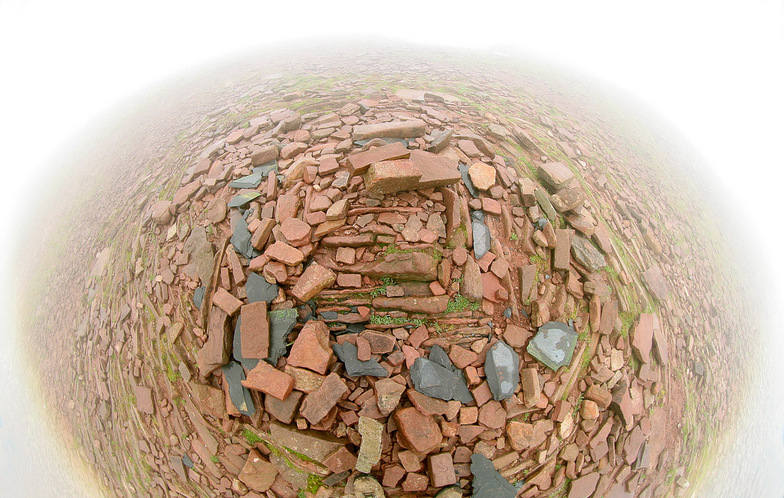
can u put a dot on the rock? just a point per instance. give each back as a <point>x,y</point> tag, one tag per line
<point>281,324</point>
<point>481,238</point>
<point>258,289</point>
<point>370,449</point>
<point>358,163</point>
<point>529,378</point>
<point>215,351</point>
<point>340,460</point>
<point>264,155</point>
<point>315,279</point>
<point>439,140</point>
<point>556,175</point>
<point>315,445</point>
<point>659,342</point>
<point>430,305</point>
<point>545,204</point>
<point>601,396</point>
<point>388,393</point>
<point>622,402</point>
<point>201,254</point>
<point>380,343</point>
<point>436,377</point>
<point>515,336</point>
<point>567,198</point>
<point>241,200</point>
<point>584,486</point>
<point>492,415</point>
<point>269,380</point>
<point>553,344</point>
<point>247,182</point>
<point>241,240</point>
<point>285,410</point>
<point>417,431</point>
<point>390,177</point>
<point>317,404</point>
<point>469,148</point>
<point>656,282</point>
<point>289,256</point>
<point>463,169</point>
<point>239,395</point>
<point>160,212</point>
<point>367,487</point>
<point>441,470</point>
<point>225,301</point>
<point>296,231</point>
<point>437,171</point>
<point>502,367</point>
<point>311,348</point>
<point>482,175</point>
<point>254,330</point>
<point>521,434</point>
<point>488,483</point>
<point>589,410</point>
<point>257,473</point>
<point>347,353</point>
<point>144,402</point>
<point>416,266</point>
<point>391,129</point>
<point>563,243</point>
<point>472,288</point>
<point>586,254</point>
<point>642,337</point>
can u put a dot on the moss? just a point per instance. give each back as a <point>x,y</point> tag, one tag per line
<point>513,236</point>
<point>460,303</point>
<point>627,320</point>
<point>251,437</point>
<point>214,459</point>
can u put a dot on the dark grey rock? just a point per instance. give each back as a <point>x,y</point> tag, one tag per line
<point>333,479</point>
<point>240,239</point>
<point>329,315</point>
<point>541,223</point>
<point>242,199</point>
<point>481,239</point>
<point>251,181</point>
<point>502,368</point>
<point>438,378</point>
<point>198,296</point>
<point>265,169</point>
<point>236,348</point>
<point>488,483</point>
<point>508,313</point>
<point>699,369</point>
<point>586,254</point>
<point>347,353</point>
<point>478,216</point>
<point>259,289</point>
<point>239,394</point>
<point>553,344</point>
<point>176,465</point>
<point>186,460</point>
<point>281,324</point>
<point>463,169</point>
<point>643,457</point>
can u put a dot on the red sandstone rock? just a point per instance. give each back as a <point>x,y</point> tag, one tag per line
<point>254,328</point>
<point>311,348</point>
<point>317,404</point>
<point>269,380</point>
<point>225,301</point>
<point>418,432</point>
<point>313,280</point>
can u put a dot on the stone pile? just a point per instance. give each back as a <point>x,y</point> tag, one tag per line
<point>385,300</point>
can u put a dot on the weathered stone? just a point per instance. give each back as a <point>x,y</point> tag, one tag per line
<point>389,177</point>
<point>340,460</point>
<point>315,445</point>
<point>544,202</point>
<point>391,129</point>
<point>283,410</point>
<point>225,301</point>
<point>430,304</point>
<point>437,171</point>
<point>569,197</point>
<point>257,473</point>
<point>258,289</point>
<point>417,266</point>
<point>388,393</point>
<point>622,402</point>
<point>239,395</point>
<point>417,431</point>
<point>563,244</point>
<point>201,253</point>
<point>556,175</point>
<point>280,251</point>
<point>440,140</point>
<point>380,342</point>
<point>358,163</point>
<point>215,351</point>
<point>269,380</point>
<point>317,404</point>
<point>241,239</point>
<point>601,396</point>
<point>144,401</point>
<point>529,378</point>
<point>311,348</point>
<point>521,434</point>
<point>264,155</point>
<point>482,175</point>
<point>347,353</point>
<point>441,470</point>
<point>368,487</point>
<point>481,238</point>
<point>296,231</point>
<point>242,199</point>
<point>254,330</point>
<point>656,282</point>
<point>553,344</point>
<point>370,449</point>
<point>642,337</point>
<point>315,279</point>
<point>586,254</point>
<point>160,212</point>
<point>488,483</point>
<point>659,342</point>
<point>436,377</point>
<point>502,367</point>
<point>584,486</point>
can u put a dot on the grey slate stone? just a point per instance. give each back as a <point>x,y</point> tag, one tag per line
<point>545,204</point>
<point>488,483</point>
<point>281,324</point>
<point>258,289</point>
<point>347,353</point>
<point>186,460</point>
<point>463,169</point>
<point>553,344</point>
<point>502,368</point>
<point>481,239</point>
<point>265,169</point>
<point>586,254</point>
<point>236,348</point>
<point>240,239</point>
<point>438,378</point>
<point>198,296</point>
<point>251,181</point>
<point>239,394</point>
<point>240,200</point>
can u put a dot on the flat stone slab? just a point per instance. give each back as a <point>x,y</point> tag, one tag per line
<point>392,129</point>
<point>281,322</point>
<point>586,254</point>
<point>258,289</point>
<point>438,378</point>
<point>347,353</point>
<point>437,171</point>
<point>656,282</point>
<point>413,304</point>
<point>315,445</point>
<point>359,163</point>
<point>556,175</point>
<point>390,177</point>
<point>481,238</point>
<point>240,200</point>
<point>488,483</point>
<point>417,266</point>
<point>240,239</point>
<point>502,368</point>
<point>236,348</point>
<point>553,344</point>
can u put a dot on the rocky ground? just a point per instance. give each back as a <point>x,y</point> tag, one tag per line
<point>422,279</point>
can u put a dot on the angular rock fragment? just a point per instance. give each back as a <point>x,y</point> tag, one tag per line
<point>417,431</point>
<point>482,175</point>
<point>481,238</point>
<point>556,175</point>
<point>315,445</point>
<point>656,282</point>
<point>239,395</point>
<point>430,305</point>
<point>392,129</point>
<point>388,393</point>
<point>315,279</point>
<point>347,353</point>
<point>642,337</point>
<point>488,483</point>
<point>281,323</point>
<point>370,449</point>
<point>416,266</point>
<point>269,380</point>
<point>441,470</point>
<point>258,289</point>
<point>317,404</point>
<point>358,163</point>
<point>553,344</point>
<point>390,177</point>
<point>257,473</point>
<point>311,348</point>
<point>437,378</point>
<point>502,367</point>
<point>586,254</point>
